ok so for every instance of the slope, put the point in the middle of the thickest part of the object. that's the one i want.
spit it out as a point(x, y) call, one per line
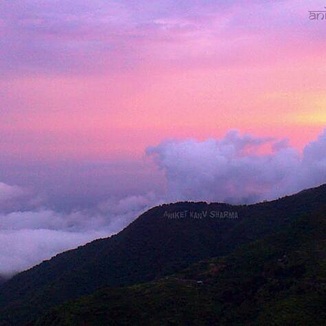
point(160, 242)
point(280, 280)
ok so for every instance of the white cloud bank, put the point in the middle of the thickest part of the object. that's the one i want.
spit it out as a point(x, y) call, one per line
point(31, 236)
point(239, 168)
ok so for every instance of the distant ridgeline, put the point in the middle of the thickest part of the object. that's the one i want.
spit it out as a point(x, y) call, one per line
point(279, 280)
point(162, 241)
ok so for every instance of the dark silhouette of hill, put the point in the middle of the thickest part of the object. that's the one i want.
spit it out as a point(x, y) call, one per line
point(162, 241)
point(280, 280)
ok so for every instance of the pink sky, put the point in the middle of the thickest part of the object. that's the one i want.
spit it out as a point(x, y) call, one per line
point(107, 80)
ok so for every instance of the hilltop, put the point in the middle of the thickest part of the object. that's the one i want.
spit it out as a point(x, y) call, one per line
point(163, 241)
point(280, 280)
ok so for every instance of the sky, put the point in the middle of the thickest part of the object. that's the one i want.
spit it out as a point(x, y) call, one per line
point(111, 107)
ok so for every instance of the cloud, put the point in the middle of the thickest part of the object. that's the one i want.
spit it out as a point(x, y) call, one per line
point(16, 198)
point(236, 169)
point(21, 249)
point(31, 236)
point(239, 168)
point(126, 209)
point(9, 192)
point(70, 37)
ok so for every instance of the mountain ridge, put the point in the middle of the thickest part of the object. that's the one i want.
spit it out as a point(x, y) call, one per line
point(151, 247)
point(279, 280)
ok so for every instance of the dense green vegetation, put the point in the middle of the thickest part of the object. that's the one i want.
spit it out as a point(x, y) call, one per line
point(280, 280)
point(155, 246)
